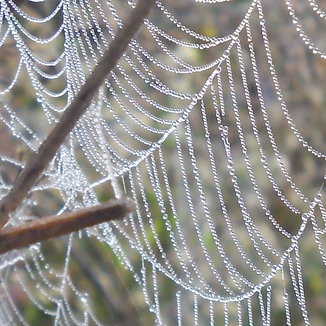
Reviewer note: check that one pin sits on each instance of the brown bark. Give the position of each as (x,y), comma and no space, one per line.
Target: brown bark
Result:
(54,226)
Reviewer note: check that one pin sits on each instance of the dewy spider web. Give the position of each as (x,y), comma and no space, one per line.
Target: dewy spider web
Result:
(184,126)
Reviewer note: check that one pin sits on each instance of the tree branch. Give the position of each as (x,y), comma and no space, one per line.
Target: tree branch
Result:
(72,114)
(54,226)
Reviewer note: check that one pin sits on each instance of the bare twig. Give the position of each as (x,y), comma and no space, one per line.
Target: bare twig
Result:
(54,226)
(57,136)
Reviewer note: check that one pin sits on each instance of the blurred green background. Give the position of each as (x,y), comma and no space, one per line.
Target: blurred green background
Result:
(113,295)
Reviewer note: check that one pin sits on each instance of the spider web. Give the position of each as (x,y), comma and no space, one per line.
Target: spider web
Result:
(197,130)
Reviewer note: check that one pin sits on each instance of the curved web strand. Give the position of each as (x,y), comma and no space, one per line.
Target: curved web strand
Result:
(190,127)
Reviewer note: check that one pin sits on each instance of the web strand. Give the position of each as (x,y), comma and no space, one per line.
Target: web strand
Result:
(198,130)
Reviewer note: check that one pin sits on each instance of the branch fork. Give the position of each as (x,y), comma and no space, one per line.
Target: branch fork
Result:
(56,138)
